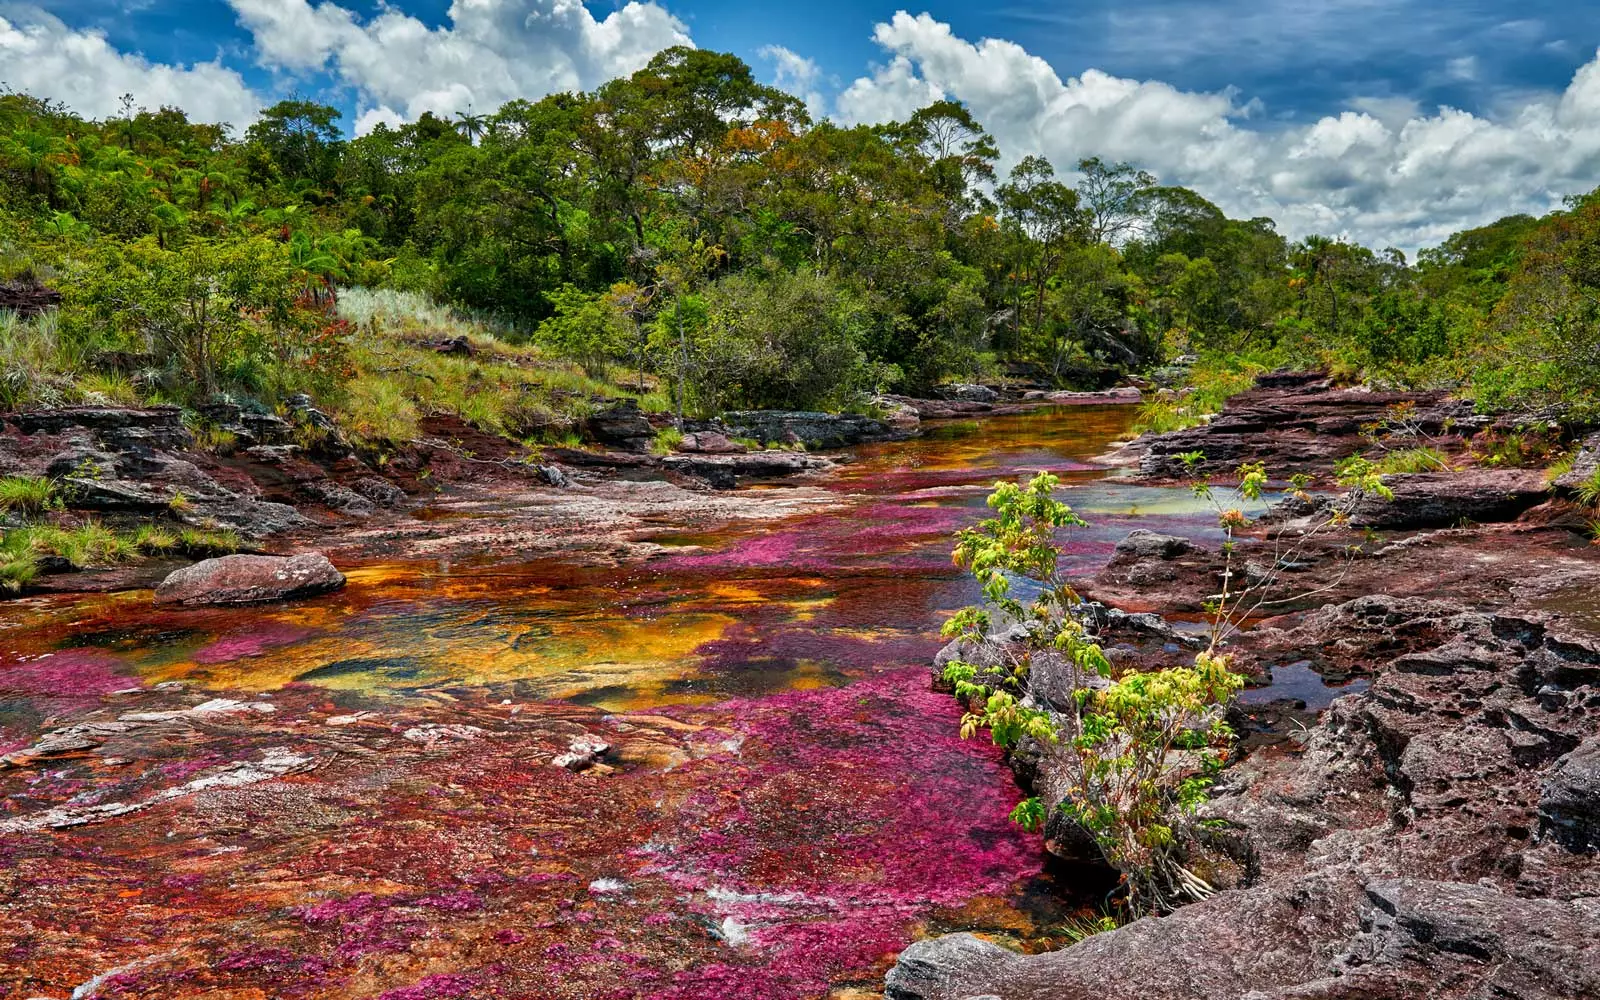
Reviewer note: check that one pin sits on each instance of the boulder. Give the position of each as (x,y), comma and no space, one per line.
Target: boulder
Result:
(724,471)
(710,443)
(623,425)
(250,579)
(1584,465)
(1569,802)
(967,392)
(1145,544)
(1119,394)
(935,968)
(379,490)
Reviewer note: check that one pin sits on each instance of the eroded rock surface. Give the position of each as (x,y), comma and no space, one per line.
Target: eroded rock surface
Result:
(1295,425)
(1434,837)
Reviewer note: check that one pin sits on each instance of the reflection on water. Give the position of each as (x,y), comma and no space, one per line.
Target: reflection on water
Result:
(1578,604)
(812,601)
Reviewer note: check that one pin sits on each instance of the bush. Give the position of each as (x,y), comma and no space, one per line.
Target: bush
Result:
(666,441)
(782,341)
(1124,789)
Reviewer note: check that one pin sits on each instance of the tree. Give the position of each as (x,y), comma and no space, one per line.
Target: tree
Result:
(301,140)
(193,304)
(1113,198)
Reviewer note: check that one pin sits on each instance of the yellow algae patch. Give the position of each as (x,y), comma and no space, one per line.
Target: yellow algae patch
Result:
(735,592)
(564,657)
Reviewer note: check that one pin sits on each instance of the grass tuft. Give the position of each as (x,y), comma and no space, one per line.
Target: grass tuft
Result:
(27,495)
(1420,459)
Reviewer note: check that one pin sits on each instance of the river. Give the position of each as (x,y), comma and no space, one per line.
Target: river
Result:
(800,809)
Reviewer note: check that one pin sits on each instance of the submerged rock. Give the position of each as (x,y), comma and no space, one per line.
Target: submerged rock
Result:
(250,579)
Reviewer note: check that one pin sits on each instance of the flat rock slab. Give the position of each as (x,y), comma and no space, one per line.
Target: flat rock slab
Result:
(247,579)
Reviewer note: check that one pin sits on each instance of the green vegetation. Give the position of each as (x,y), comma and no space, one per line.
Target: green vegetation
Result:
(1124,789)
(27,495)
(667,439)
(1421,459)
(1142,748)
(95,545)
(689,236)
(1207,387)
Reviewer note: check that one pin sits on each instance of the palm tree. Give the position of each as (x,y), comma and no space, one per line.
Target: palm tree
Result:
(36,155)
(470,125)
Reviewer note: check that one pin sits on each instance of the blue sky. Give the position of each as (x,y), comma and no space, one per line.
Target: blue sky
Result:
(1300,60)
(1395,122)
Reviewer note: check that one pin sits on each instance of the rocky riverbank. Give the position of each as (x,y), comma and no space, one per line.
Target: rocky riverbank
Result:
(1430,833)
(293,482)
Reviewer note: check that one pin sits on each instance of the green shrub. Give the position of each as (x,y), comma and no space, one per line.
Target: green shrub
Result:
(378,409)
(91,546)
(18,563)
(153,540)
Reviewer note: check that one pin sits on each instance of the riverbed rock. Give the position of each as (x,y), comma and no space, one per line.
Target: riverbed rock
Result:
(1585,464)
(723,472)
(710,443)
(898,413)
(936,968)
(812,429)
(250,579)
(1296,426)
(1433,835)
(1445,499)
(1117,394)
(116,428)
(623,425)
(1569,803)
(967,392)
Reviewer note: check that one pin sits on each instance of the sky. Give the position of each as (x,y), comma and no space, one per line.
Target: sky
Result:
(1392,122)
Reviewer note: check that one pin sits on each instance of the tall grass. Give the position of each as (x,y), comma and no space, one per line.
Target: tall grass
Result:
(1419,459)
(27,495)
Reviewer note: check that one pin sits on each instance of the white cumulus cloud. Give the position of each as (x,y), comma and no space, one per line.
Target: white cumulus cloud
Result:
(490,52)
(42,56)
(1382,172)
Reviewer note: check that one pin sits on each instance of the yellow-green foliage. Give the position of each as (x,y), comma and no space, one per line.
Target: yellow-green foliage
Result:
(667,439)
(1420,459)
(90,546)
(27,494)
(1207,390)
(500,387)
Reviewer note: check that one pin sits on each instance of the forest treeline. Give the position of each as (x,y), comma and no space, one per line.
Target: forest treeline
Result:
(691,227)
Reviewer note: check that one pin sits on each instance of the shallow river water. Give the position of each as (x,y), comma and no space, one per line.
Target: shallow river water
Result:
(826,815)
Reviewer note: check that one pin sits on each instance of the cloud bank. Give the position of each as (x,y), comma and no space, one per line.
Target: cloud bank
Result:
(41,56)
(1381,173)
(490,52)
(1384,171)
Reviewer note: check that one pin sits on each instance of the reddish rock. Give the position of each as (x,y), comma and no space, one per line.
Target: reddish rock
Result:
(247,579)
(710,443)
